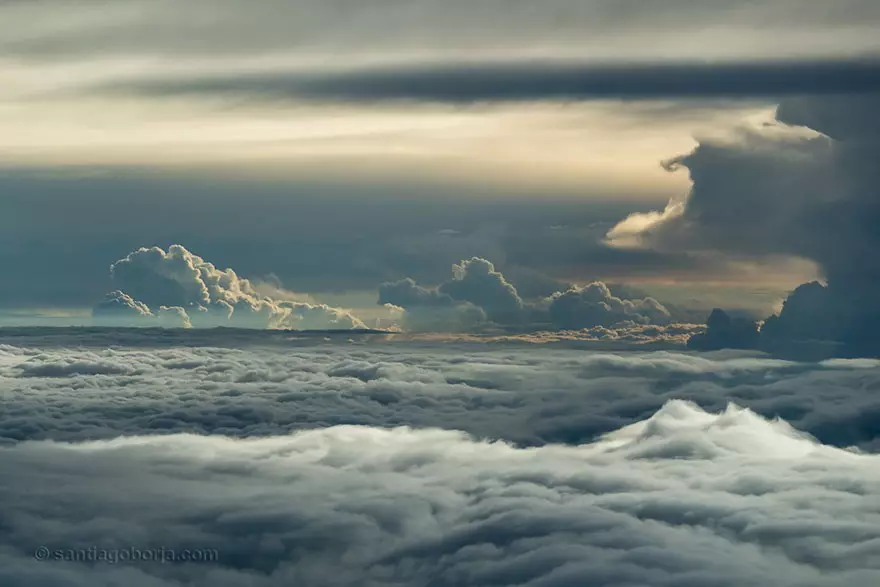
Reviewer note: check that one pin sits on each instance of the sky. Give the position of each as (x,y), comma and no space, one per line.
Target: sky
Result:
(320,150)
(423,293)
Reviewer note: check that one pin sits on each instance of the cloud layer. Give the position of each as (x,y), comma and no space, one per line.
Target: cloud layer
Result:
(527,80)
(78,385)
(682,498)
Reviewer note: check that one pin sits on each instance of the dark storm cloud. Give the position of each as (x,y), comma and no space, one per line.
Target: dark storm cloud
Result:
(474,81)
(781,189)
(246,383)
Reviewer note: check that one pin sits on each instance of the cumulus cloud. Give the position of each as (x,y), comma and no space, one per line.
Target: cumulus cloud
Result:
(481,293)
(187,290)
(595,305)
(425,310)
(476,281)
(802,185)
(684,497)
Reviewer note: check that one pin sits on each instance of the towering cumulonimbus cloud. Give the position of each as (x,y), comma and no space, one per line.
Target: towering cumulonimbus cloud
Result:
(479,295)
(804,184)
(178,286)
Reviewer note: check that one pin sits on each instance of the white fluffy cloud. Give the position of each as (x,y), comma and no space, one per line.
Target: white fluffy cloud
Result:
(187,290)
(683,498)
(373,460)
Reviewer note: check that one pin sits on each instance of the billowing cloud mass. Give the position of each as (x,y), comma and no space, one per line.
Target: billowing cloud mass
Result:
(181,285)
(478,295)
(595,305)
(683,498)
(362,460)
(803,185)
(476,281)
(86,384)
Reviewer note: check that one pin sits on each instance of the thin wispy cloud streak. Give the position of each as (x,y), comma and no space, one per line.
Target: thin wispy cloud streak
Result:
(511,81)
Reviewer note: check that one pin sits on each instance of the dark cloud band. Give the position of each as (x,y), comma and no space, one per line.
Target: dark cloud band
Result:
(466,82)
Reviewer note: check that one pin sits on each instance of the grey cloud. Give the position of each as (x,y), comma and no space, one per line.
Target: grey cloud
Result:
(477,285)
(476,281)
(787,190)
(426,310)
(407,292)
(724,331)
(595,305)
(607,27)
(75,384)
(654,503)
(524,80)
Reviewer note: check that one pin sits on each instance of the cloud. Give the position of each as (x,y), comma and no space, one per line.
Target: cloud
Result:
(478,297)
(119,309)
(184,286)
(162,29)
(594,305)
(802,185)
(626,335)
(684,497)
(426,310)
(118,304)
(476,281)
(501,80)
(530,390)
(724,331)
